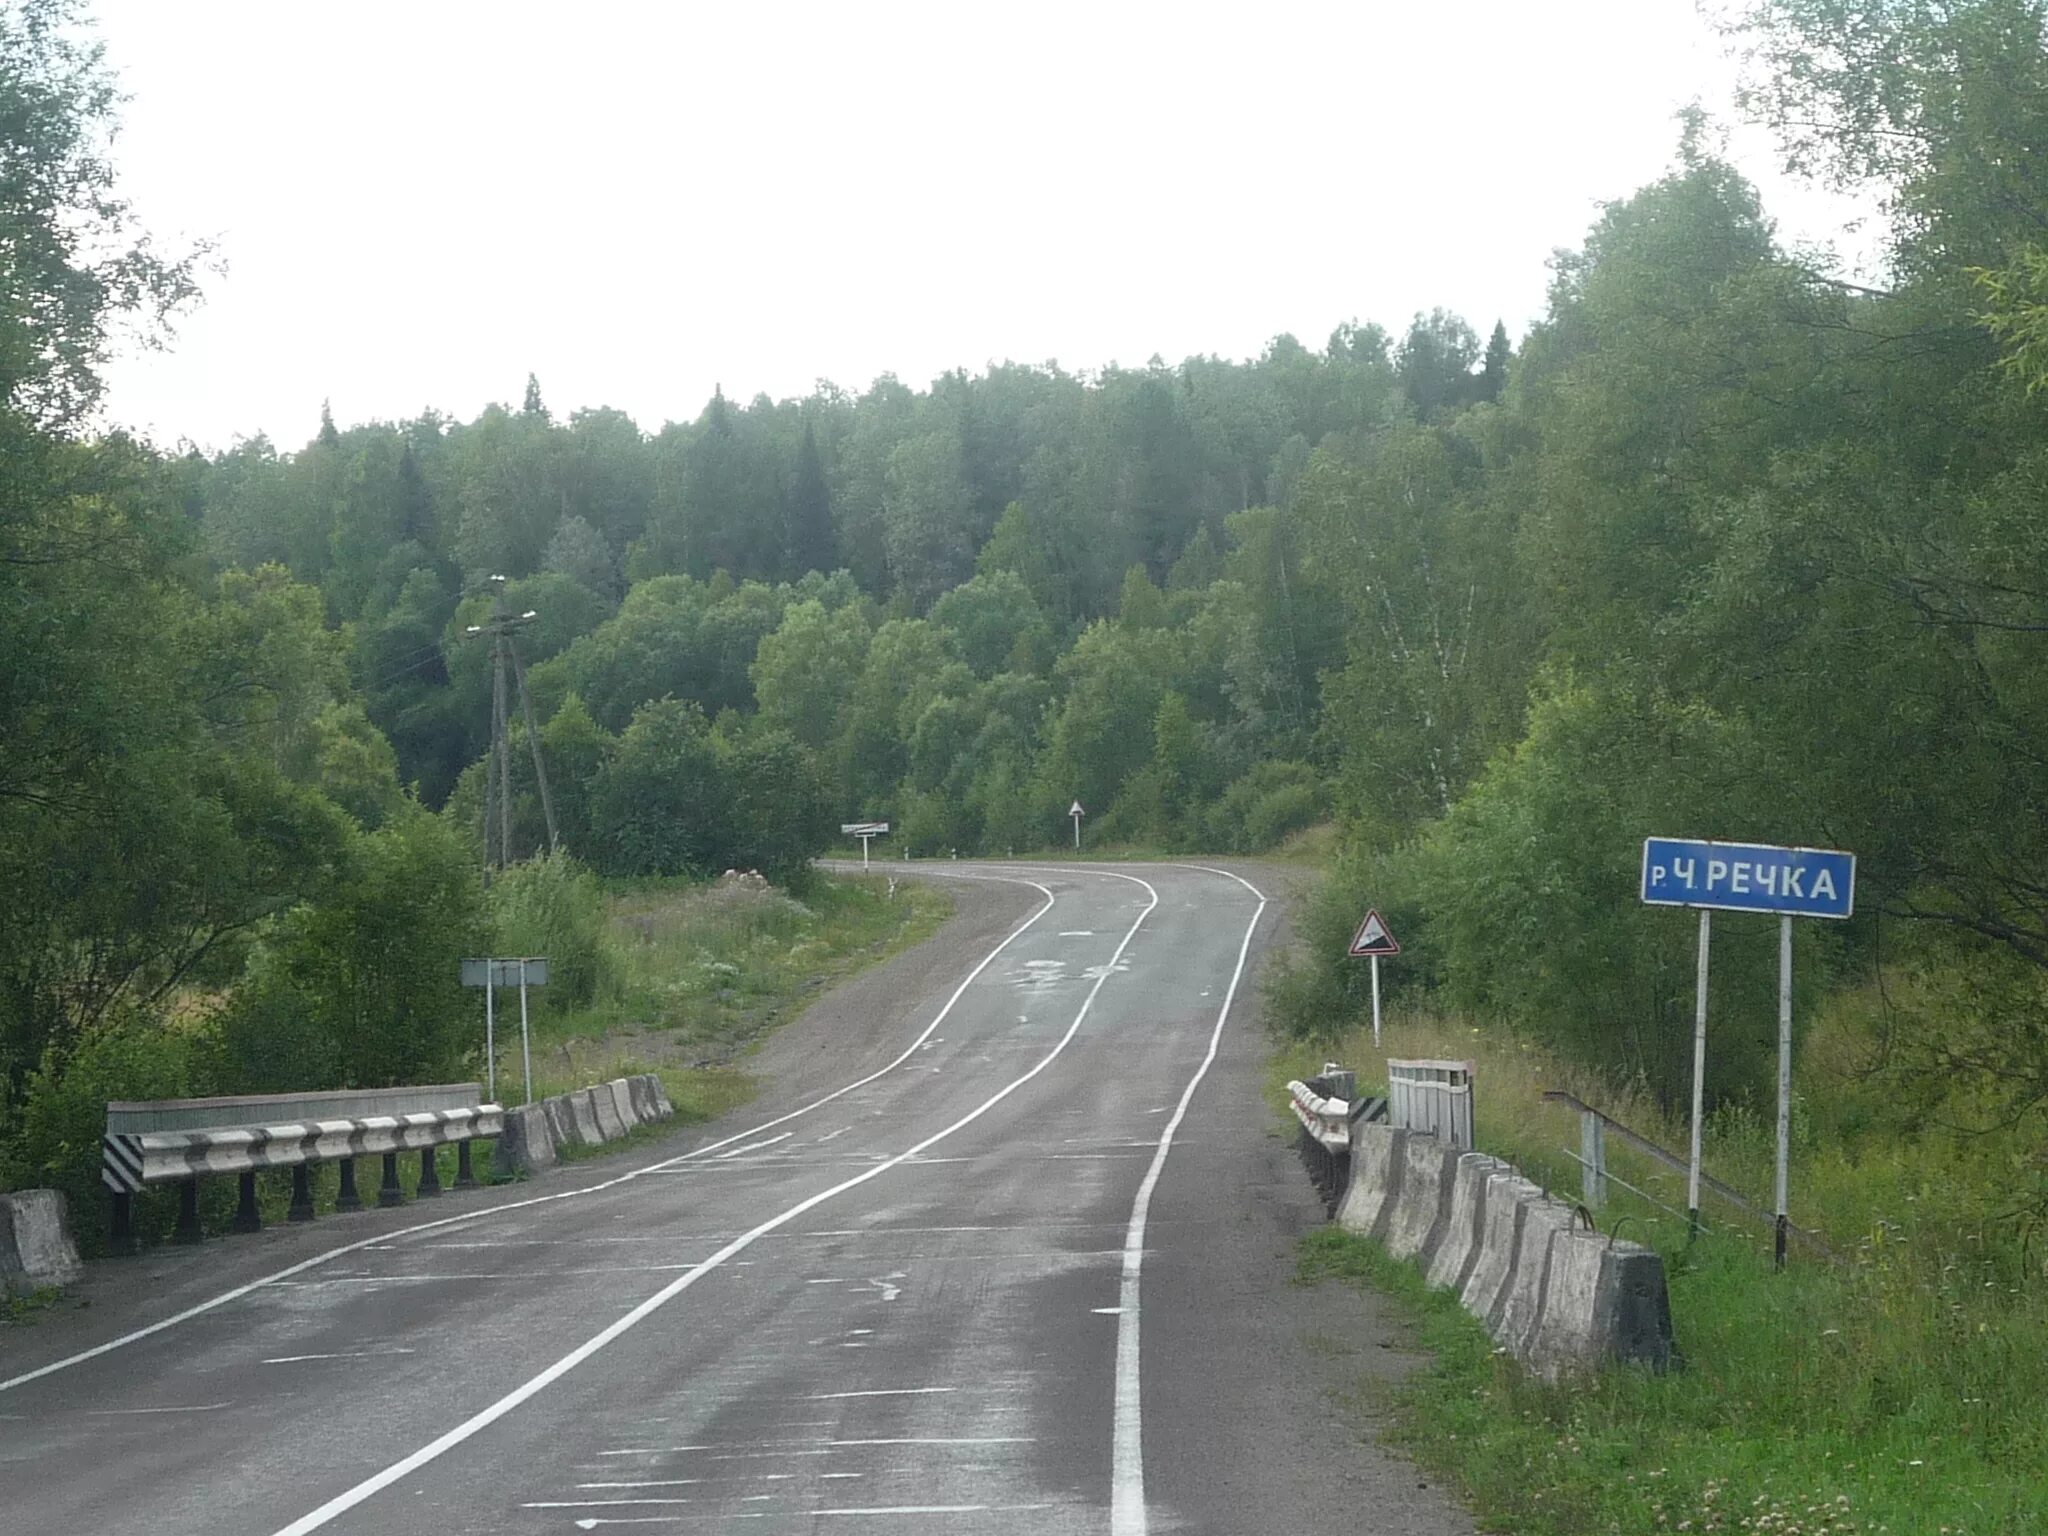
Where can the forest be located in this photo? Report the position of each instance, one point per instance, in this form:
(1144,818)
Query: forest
(1726,545)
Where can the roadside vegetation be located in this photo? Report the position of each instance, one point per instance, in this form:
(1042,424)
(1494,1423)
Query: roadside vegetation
(1897,1389)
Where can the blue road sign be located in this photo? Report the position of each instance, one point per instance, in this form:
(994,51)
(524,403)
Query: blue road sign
(1748,877)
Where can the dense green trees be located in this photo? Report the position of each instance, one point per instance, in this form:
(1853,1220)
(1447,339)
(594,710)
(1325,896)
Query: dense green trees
(1731,547)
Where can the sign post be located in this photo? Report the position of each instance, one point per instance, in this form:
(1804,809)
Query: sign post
(1748,877)
(532,971)
(1373,940)
(1077,813)
(867,832)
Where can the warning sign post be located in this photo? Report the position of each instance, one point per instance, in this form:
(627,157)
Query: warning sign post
(1372,940)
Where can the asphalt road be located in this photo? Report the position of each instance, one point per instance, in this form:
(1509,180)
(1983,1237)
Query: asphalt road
(1029,1273)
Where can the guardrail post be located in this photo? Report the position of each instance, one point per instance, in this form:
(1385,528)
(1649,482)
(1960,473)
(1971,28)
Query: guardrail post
(430,1172)
(465,1175)
(1592,1160)
(187,1230)
(390,1193)
(348,1199)
(247,1217)
(122,1239)
(302,1194)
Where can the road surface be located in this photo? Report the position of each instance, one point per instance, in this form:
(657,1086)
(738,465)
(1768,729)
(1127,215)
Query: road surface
(1005,1249)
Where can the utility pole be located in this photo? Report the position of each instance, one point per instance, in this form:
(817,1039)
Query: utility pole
(502,627)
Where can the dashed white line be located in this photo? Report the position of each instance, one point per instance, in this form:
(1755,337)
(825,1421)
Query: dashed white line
(754,1146)
(352,1354)
(383,1239)
(821,1397)
(342,1502)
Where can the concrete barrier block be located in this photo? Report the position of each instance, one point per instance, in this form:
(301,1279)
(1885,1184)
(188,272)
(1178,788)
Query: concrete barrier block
(641,1087)
(583,1109)
(1376,1161)
(1637,1303)
(1422,1207)
(1565,1334)
(609,1126)
(35,1241)
(622,1101)
(661,1099)
(1458,1246)
(1521,1301)
(561,1118)
(526,1144)
(1494,1250)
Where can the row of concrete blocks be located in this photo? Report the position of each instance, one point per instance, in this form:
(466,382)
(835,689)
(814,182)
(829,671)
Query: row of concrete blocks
(534,1134)
(1558,1294)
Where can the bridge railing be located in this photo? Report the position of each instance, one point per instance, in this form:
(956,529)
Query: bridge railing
(180,1141)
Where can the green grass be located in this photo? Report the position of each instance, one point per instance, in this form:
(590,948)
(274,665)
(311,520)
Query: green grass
(705,972)
(1900,1391)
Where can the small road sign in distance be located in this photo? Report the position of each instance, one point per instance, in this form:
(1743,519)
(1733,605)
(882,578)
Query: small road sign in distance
(1373,938)
(864,828)
(1749,877)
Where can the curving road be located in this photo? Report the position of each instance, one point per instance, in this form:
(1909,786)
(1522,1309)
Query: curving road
(1005,1250)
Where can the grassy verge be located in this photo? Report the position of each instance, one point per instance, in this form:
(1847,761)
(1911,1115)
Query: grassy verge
(1899,1391)
(704,972)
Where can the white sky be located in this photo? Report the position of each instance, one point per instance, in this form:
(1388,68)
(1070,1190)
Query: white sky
(418,202)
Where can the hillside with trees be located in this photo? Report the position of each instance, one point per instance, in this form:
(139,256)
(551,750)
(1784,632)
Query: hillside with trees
(1726,545)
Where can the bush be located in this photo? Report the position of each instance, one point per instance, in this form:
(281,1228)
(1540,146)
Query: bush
(1265,806)
(553,906)
(370,979)
(64,1114)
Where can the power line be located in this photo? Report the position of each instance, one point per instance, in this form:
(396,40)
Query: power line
(502,626)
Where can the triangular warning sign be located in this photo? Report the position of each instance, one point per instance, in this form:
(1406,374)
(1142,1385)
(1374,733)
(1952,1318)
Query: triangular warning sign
(1075,809)
(1373,938)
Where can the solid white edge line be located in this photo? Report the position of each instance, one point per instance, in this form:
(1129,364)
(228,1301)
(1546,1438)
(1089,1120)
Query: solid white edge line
(332,1254)
(1127,1515)
(343,1502)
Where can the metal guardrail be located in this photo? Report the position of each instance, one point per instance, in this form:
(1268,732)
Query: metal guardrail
(1432,1097)
(1596,1176)
(1327,1107)
(180,1141)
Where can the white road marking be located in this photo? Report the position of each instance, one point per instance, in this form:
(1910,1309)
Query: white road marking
(1127,1471)
(834,1135)
(332,1254)
(935,1509)
(950,1440)
(657,1482)
(755,1146)
(112,1413)
(1107,1311)
(434,1449)
(821,1397)
(887,1286)
(1078,933)
(354,1354)
(596,1503)
(593,1523)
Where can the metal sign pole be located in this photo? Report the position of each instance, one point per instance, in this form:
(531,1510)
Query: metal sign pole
(1375,1002)
(865,839)
(1699,1076)
(1784,1080)
(491,1027)
(525,1047)
(1077,829)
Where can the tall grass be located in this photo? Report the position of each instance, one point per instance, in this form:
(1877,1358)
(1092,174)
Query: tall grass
(699,973)
(1902,1389)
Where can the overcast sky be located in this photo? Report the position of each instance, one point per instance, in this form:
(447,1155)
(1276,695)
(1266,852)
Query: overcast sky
(419,202)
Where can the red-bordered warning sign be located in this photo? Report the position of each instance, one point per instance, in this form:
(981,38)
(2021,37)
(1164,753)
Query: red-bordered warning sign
(1374,938)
